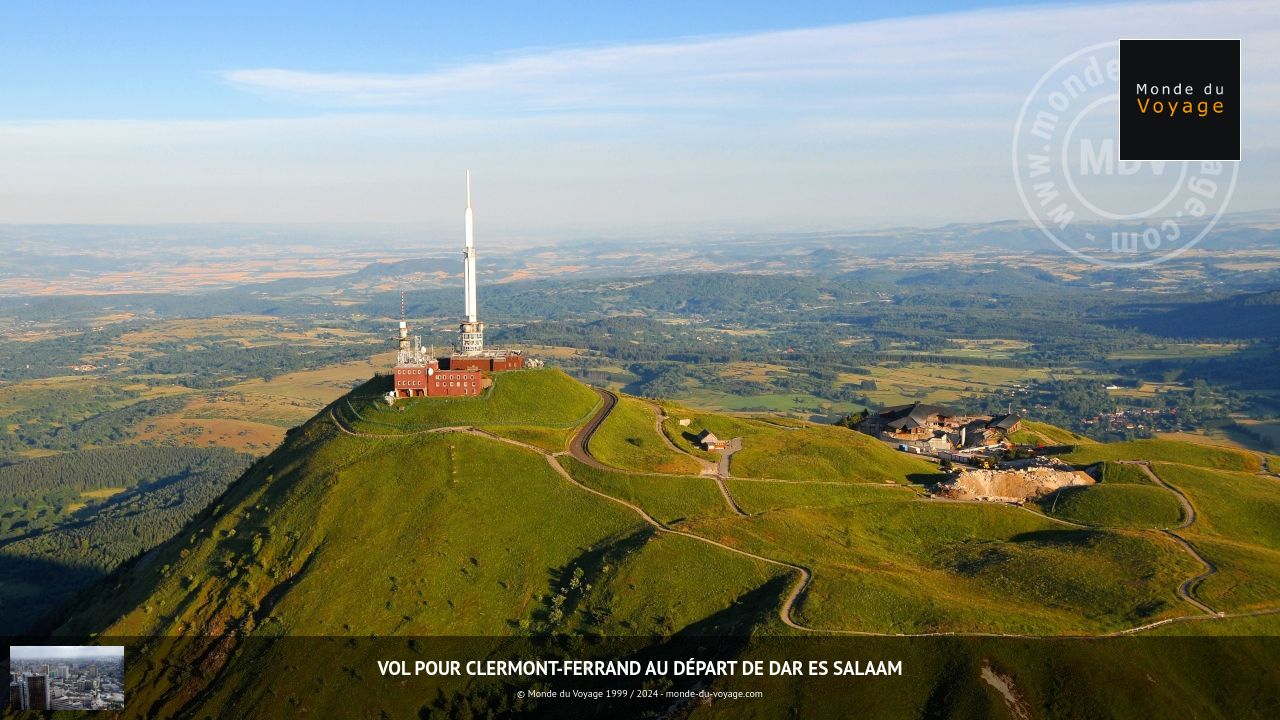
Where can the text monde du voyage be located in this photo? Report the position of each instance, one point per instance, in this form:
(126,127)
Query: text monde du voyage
(1180,99)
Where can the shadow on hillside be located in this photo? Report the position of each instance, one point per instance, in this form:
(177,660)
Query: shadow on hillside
(926,478)
(1048,500)
(35,589)
(587,570)
(1074,538)
(746,613)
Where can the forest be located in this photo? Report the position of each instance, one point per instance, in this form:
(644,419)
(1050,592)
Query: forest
(68,519)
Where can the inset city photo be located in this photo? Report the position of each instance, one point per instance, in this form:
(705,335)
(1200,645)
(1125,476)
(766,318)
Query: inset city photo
(66,677)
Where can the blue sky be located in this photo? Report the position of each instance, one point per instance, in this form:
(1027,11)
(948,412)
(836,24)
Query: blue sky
(148,60)
(575,117)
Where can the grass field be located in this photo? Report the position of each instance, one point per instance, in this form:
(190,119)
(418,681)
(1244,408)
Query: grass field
(804,452)
(668,499)
(1166,451)
(1115,505)
(986,348)
(1233,506)
(317,387)
(899,383)
(549,439)
(628,439)
(244,435)
(801,403)
(1178,351)
(978,566)
(1115,473)
(102,493)
(755,496)
(1146,391)
(1038,433)
(1236,627)
(1238,529)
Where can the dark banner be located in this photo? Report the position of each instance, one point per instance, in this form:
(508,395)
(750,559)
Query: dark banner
(765,677)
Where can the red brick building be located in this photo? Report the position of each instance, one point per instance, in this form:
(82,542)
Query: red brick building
(490,361)
(428,380)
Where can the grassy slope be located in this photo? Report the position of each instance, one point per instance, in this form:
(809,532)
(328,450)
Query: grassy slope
(340,535)
(423,567)
(1114,473)
(1033,433)
(668,499)
(549,439)
(1260,625)
(757,496)
(883,560)
(808,452)
(1116,505)
(1166,451)
(1238,529)
(628,439)
(544,398)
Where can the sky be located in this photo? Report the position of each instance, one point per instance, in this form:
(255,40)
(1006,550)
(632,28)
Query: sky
(65,652)
(574,118)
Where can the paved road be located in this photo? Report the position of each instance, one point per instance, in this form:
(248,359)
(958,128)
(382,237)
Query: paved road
(731,447)
(803,574)
(578,445)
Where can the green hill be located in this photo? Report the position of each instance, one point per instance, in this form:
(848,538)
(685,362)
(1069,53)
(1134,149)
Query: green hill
(795,450)
(1169,451)
(627,440)
(1118,505)
(387,528)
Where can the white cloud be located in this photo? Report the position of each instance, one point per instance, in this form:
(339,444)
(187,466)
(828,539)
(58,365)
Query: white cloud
(896,119)
(962,55)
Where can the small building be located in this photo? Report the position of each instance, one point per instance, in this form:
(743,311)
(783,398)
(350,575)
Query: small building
(707,440)
(1005,423)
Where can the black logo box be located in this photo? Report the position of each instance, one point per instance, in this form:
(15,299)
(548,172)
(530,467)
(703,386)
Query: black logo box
(1205,73)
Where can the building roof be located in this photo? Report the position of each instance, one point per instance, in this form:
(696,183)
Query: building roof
(907,417)
(1004,422)
(706,436)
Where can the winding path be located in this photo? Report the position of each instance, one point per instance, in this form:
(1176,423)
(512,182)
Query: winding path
(722,472)
(705,466)
(1188,586)
(579,449)
(578,445)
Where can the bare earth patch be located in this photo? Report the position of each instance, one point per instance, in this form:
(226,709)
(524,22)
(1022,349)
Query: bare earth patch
(1012,486)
